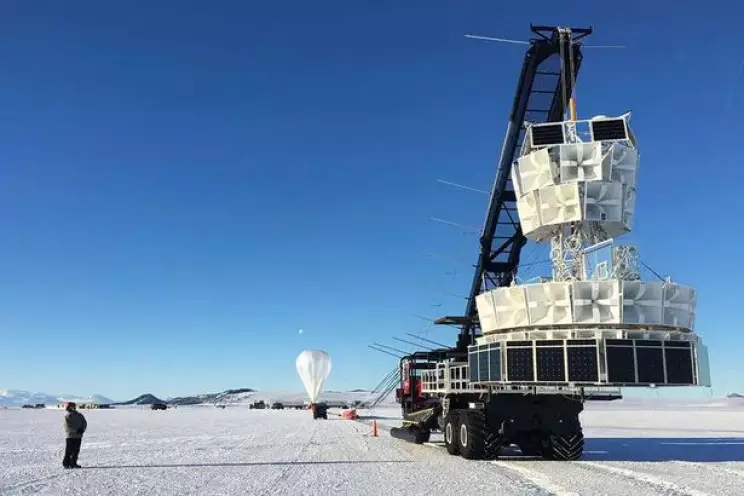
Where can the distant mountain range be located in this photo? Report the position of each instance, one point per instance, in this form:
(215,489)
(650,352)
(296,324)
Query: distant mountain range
(248,395)
(15,397)
(228,396)
(143,399)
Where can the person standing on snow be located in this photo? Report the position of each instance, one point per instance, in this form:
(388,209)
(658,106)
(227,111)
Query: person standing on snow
(75,426)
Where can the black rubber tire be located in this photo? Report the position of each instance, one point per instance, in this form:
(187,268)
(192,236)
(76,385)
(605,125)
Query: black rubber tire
(565,447)
(531,443)
(422,436)
(451,430)
(473,435)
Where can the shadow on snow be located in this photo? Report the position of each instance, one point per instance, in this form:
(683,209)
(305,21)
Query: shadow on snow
(624,449)
(698,449)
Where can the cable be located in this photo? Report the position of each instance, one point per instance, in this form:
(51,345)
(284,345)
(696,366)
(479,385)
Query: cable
(652,270)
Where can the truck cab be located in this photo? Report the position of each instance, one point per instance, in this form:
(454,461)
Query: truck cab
(409,394)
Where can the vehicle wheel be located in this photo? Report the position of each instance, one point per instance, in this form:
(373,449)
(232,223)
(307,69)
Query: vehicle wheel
(451,432)
(474,438)
(565,447)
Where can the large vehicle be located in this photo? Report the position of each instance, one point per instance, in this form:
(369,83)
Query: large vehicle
(529,354)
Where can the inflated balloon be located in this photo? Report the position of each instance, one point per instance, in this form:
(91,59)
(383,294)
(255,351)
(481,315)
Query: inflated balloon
(313,366)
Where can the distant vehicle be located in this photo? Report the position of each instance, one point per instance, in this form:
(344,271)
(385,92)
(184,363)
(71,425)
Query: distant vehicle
(158,406)
(320,410)
(277,406)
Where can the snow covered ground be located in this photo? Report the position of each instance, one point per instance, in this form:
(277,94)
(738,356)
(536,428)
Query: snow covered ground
(633,448)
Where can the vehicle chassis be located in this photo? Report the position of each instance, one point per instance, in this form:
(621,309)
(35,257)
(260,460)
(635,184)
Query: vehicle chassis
(477,420)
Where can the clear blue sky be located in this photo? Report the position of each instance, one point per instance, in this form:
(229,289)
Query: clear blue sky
(184,185)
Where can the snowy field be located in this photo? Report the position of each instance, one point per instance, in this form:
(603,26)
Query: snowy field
(633,448)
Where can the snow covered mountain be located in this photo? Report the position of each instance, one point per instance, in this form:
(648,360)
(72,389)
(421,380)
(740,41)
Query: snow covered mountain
(15,397)
(242,396)
(229,396)
(143,399)
(246,396)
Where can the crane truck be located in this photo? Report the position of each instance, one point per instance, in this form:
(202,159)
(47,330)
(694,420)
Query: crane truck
(530,353)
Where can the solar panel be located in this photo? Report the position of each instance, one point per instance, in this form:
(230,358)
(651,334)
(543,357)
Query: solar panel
(519,364)
(609,130)
(582,360)
(547,134)
(550,364)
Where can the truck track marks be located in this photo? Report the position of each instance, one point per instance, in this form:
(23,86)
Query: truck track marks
(660,484)
(537,478)
(712,466)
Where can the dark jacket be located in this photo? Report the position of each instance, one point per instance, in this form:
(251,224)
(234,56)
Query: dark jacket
(75,425)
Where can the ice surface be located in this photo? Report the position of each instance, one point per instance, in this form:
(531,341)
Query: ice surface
(633,447)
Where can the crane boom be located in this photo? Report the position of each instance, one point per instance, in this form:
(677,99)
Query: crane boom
(542,95)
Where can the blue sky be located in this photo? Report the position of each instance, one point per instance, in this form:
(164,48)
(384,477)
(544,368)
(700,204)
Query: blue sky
(184,185)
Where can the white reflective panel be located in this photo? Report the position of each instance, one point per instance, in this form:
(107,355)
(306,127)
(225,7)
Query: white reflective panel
(596,302)
(559,204)
(679,305)
(486,311)
(529,213)
(584,162)
(642,302)
(514,174)
(629,195)
(510,306)
(603,202)
(549,303)
(703,366)
(536,170)
(624,164)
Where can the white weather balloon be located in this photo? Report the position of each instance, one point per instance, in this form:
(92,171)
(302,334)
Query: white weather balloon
(313,366)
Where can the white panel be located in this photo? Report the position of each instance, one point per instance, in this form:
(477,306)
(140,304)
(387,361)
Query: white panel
(584,162)
(486,311)
(515,179)
(624,164)
(629,199)
(510,306)
(703,366)
(679,305)
(536,170)
(642,302)
(529,213)
(559,204)
(603,202)
(549,303)
(596,302)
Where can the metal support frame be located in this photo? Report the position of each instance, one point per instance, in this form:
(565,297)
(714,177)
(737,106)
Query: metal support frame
(497,267)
